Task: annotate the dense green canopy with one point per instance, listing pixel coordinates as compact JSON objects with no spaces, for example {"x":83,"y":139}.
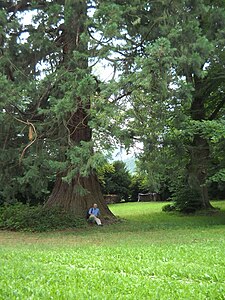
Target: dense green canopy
{"x":59,"y":119}
{"x":173,"y":73}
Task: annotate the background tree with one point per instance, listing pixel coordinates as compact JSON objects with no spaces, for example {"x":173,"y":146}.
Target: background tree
{"x":116,"y":179}
{"x":173,"y":75}
{"x":138,"y":185}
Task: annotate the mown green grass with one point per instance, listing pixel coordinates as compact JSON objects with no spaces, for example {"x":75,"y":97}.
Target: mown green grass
{"x":149,"y":255}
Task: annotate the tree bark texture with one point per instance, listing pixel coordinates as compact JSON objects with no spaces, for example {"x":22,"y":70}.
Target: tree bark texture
{"x":68,"y":196}
{"x":197,"y":170}
{"x":199,"y":150}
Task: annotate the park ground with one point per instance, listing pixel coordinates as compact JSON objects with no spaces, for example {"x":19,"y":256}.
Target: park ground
{"x":149,"y":254}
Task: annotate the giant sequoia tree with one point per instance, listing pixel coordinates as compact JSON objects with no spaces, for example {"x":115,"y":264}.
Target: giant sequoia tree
{"x":47,"y":88}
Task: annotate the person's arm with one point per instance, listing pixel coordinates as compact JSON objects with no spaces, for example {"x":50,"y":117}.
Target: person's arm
{"x":90,"y":211}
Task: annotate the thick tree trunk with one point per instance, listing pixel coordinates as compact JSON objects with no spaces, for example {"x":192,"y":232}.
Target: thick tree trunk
{"x":70,"y":197}
{"x":78,"y":195}
{"x":199,"y":150}
{"x":197,"y":171}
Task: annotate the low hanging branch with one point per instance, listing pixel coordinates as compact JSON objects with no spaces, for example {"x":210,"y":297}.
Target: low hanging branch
{"x":32,"y":135}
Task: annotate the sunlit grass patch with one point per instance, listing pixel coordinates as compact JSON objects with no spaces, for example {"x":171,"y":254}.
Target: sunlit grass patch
{"x":150,"y":255}
{"x":172,"y":272}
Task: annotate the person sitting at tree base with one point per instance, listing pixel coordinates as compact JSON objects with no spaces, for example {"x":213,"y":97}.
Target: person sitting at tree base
{"x":94,"y":214}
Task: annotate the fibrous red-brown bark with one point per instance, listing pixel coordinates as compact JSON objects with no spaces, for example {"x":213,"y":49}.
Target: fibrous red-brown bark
{"x":69,"y":197}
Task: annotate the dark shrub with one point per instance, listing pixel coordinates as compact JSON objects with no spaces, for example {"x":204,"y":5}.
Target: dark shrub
{"x":36,"y":218}
{"x":169,"y":207}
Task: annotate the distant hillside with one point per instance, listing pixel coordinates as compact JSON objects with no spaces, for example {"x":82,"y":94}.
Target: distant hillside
{"x":130,"y":163}
{"x":128,"y":159}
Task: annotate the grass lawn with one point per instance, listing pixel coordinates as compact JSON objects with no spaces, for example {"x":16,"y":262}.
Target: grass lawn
{"x":149,"y":255}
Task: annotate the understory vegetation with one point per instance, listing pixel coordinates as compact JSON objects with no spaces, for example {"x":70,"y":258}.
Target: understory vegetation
{"x":36,"y":218}
{"x":150,"y":254}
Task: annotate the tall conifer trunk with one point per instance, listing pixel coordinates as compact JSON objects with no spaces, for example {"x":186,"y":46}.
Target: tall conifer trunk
{"x":197,"y":169}
{"x":64,"y":194}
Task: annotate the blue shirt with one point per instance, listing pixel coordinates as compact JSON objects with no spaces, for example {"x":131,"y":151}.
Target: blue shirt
{"x":94,"y":211}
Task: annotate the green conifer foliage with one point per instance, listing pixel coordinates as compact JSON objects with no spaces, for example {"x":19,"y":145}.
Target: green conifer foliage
{"x":47,"y":92}
{"x":172,"y":61}
{"x":166,"y":91}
